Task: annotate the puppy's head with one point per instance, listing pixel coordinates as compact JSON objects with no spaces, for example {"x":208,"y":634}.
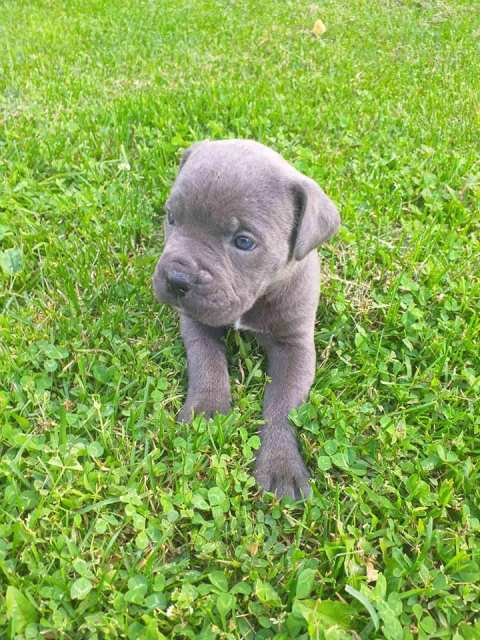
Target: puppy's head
{"x":238,"y":219}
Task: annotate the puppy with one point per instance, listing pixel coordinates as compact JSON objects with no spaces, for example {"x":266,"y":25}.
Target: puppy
{"x":241,"y":230}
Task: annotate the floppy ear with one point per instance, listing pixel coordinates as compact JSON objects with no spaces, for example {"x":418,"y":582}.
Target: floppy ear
{"x":316,"y":218}
{"x":186,"y":155}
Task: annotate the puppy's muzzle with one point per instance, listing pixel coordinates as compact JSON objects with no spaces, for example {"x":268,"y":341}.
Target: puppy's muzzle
{"x":178,"y":282}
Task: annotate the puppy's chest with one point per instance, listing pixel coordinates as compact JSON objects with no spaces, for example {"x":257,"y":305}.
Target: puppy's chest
{"x":257,"y":320}
{"x":240,"y":325}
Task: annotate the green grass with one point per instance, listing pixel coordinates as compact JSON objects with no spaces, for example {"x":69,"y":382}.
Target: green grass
{"x":115,"y":522}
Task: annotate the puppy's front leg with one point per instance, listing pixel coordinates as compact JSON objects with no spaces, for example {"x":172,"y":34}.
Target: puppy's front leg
{"x":208,"y":381}
{"x":279,"y":465}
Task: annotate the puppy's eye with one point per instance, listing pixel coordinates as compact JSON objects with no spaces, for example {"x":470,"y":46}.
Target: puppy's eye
{"x":170,"y":218}
{"x":244,"y":243}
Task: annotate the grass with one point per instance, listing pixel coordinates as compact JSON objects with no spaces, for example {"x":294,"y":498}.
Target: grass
{"x":115,"y":522}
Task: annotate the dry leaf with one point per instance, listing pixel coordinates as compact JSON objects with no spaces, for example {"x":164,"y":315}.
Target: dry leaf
{"x":372,"y":573}
{"x":319,"y":28}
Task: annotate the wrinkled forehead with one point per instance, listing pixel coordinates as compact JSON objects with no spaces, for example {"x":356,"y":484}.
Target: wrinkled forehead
{"x":228,"y":197}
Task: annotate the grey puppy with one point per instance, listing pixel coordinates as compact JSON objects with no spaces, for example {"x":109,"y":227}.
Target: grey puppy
{"x":241,"y":228}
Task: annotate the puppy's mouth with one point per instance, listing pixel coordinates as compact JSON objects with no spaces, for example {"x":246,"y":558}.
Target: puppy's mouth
{"x":213,"y":307}
{"x":215,"y":310}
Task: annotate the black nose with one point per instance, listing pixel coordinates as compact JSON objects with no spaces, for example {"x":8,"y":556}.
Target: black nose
{"x":178,"y":282}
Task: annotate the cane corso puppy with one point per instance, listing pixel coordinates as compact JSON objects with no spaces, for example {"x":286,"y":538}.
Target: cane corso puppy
{"x":242,"y":226}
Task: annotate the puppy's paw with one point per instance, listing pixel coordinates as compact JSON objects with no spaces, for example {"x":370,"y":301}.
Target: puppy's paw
{"x":283,"y":472}
{"x":206,"y":407}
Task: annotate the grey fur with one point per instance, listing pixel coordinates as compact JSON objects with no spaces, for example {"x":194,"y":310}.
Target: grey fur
{"x":222,"y":188}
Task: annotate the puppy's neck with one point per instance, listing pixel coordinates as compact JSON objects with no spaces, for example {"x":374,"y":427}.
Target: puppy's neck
{"x":284,"y":306}
{"x":286,"y":278}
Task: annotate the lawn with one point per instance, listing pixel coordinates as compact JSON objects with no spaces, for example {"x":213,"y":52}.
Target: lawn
{"x":116,"y":522}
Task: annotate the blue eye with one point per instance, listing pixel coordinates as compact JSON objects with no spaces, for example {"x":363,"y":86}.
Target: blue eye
{"x":244,"y":243}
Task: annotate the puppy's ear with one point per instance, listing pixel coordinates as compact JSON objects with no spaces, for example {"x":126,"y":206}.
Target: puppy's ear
{"x":186,"y":155}
{"x":316,"y":218}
